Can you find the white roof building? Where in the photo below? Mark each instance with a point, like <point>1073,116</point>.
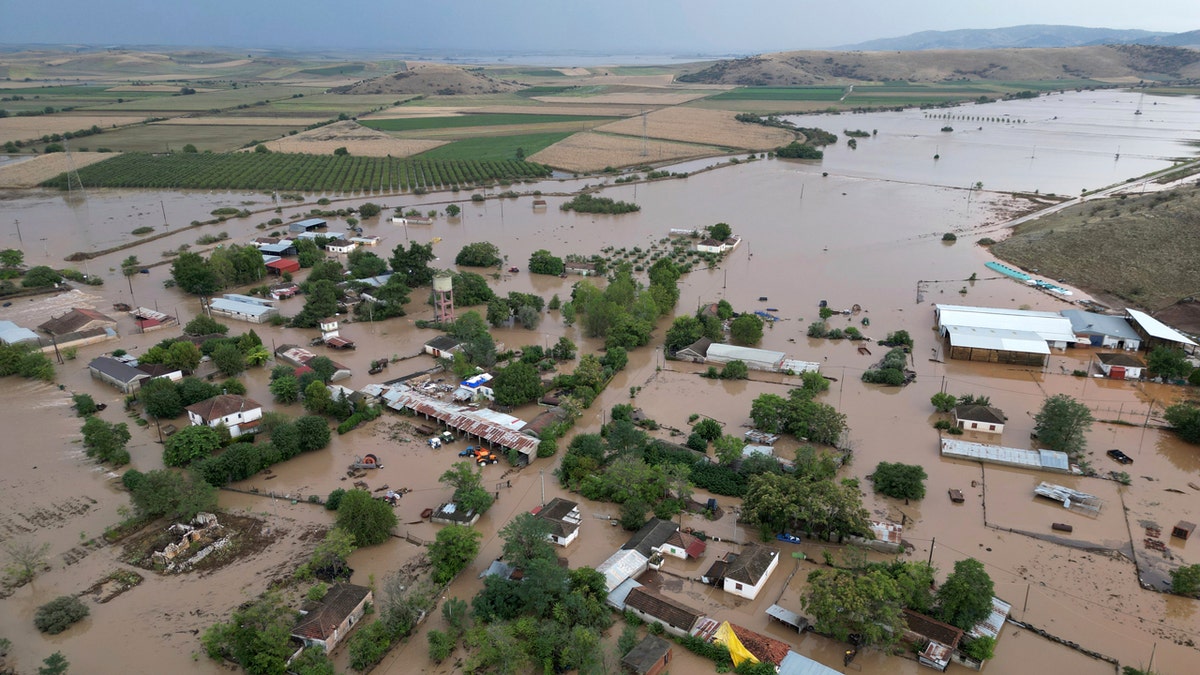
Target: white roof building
<point>755,359</point>
<point>1157,329</point>
<point>11,333</point>
<point>996,338</point>
<point>1051,327</point>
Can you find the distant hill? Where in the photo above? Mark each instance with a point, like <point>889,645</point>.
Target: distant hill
<point>1110,62</point>
<point>431,78</point>
<point>1012,37</point>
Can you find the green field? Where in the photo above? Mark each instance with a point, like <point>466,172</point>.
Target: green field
<point>342,69</point>
<point>332,104</point>
<point>897,93</point>
<point>495,148</point>
<point>213,100</point>
<point>544,90</point>
<point>38,98</point>
<point>780,94</point>
<point>473,120</point>
<point>294,172</point>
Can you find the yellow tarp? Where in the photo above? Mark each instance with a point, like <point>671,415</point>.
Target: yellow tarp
<point>737,651</point>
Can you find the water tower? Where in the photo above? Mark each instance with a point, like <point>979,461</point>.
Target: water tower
<point>443,297</point>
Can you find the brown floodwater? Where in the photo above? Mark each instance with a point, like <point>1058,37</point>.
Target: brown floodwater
<point>867,234</point>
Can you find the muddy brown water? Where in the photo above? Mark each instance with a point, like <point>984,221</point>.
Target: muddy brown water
<point>868,234</point>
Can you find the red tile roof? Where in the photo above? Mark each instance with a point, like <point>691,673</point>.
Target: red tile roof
<point>763,648</point>
<point>339,602</point>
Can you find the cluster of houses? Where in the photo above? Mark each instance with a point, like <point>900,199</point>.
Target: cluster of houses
<point>1025,337</point>
<point>78,327</point>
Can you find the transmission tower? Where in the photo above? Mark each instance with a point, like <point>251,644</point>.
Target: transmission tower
<point>74,184</point>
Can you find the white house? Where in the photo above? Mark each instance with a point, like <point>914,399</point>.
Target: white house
<point>232,308</point>
<point>983,418</point>
<point>327,621</point>
<point>563,517</point>
<point>748,573</point>
<point>1121,366</point>
<point>683,545</point>
<point>475,387</point>
<point>340,246</point>
<point>239,414</point>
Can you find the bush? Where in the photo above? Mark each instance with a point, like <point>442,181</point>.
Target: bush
<point>369,646</point>
<point>982,648</point>
<point>440,645</point>
<point>84,405</point>
<point>949,236</point>
<point>59,614</point>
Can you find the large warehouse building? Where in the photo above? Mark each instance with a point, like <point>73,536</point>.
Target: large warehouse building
<point>1012,336</point>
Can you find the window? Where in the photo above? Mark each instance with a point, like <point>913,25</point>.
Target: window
<point>974,425</point>
<point>738,586</point>
<point>992,428</point>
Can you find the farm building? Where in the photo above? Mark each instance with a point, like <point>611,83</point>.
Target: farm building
<point>277,247</point>
<point>327,236</point>
<point>1002,335</point>
<point>11,334</point>
<point>748,573</point>
<point>1121,366</point>
<point>149,320</point>
<point>544,419</point>
<point>562,515</point>
<point>1046,460</point>
<point>488,426</point>
<point>711,245</point>
<point>239,414</point>
<point>254,312</point>
<point>796,664</point>
<point>77,320</point>
<point>675,617</point>
<point>1155,333</point>
<point>307,225</point>
<point>1102,330</point>
<point>651,537</point>
<point>695,352</point>
<point>366,241</point>
<point>327,621</point>
<point>585,269</point>
<point>649,657</point>
<point>936,640</point>
<point>157,370</point>
<point>621,566</point>
<point>298,357</point>
<point>120,375</point>
<point>985,418</point>
<point>282,265</point>
<point>755,359</point>
<point>475,388</point>
<point>284,291</point>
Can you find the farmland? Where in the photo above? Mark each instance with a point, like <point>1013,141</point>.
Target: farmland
<point>477,120</point>
<point>495,148</point>
<point>307,173</point>
<point>163,137</point>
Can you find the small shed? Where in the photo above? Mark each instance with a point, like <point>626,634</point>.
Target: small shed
<point>649,657</point>
<point>120,375</point>
<point>306,225</point>
<point>282,265</point>
<point>1120,366</point>
<point>1183,529</point>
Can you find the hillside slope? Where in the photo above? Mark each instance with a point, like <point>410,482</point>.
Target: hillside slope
<point>431,78</point>
<point>1143,249</point>
<point>1010,37</point>
<point>1118,62</point>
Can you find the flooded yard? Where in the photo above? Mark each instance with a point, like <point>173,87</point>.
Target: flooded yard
<point>869,233</point>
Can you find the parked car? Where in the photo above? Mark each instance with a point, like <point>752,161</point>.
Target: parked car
<point>1120,456</point>
<point>514,269</point>
<point>789,538</point>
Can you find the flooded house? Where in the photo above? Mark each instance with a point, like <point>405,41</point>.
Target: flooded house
<point>1121,366</point>
<point>281,266</point>
<point>585,269</point>
<point>1043,460</point>
<point>123,376</point>
<point>498,429</point>
<point>442,346</point>
<point>649,657</point>
<point>298,357</point>
<point>340,246</point>
<point>12,334</point>
<point>327,621</point>
<point>239,414</point>
<point>683,545</point>
<point>1102,330</point>
<point>475,388</point>
<point>936,641</point>
<point>755,359</point>
<point>746,574</point>
<point>981,418</point>
<point>563,518</point>
<point>275,246</point>
<point>77,320</point>
<point>676,618</point>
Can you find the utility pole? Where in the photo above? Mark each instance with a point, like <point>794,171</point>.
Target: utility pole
<point>1026,605</point>
<point>19,239</point>
<point>164,210</point>
<point>932,543</point>
<point>542,477</point>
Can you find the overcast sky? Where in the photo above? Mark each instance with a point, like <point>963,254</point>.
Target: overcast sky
<point>503,26</point>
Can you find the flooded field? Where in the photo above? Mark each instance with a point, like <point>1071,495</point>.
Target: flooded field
<point>869,233</point>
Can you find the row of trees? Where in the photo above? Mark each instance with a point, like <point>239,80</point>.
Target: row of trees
<point>229,266</point>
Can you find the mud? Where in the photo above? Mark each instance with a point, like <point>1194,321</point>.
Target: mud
<point>869,233</point>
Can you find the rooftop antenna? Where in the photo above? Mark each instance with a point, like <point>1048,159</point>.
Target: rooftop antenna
<point>73,181</point>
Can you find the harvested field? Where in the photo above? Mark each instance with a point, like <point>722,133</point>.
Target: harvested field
<point>244,121</point>
<point>24,128</point>
<point>591,151</point>
<point>628,98</point>
<point>357,139</point>
<point>151,88</point>
<point>32,171</point>
<point>1141,249</point>
<point>694,125</point>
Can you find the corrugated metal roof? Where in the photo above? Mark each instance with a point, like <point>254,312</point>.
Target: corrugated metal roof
<point>991,626</point>
<point>1157,328</point>
<point>1050,460</point>
<point>1100,324</point>
<point>11,333</point>
<point>238,307</point>
<point>493,427</point>
<point>1025,342</point>
<point>795,664</point>
<point>616,597</point>
<point>1051,326</point>
<point>620,566</point>
<point>763,359</point>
